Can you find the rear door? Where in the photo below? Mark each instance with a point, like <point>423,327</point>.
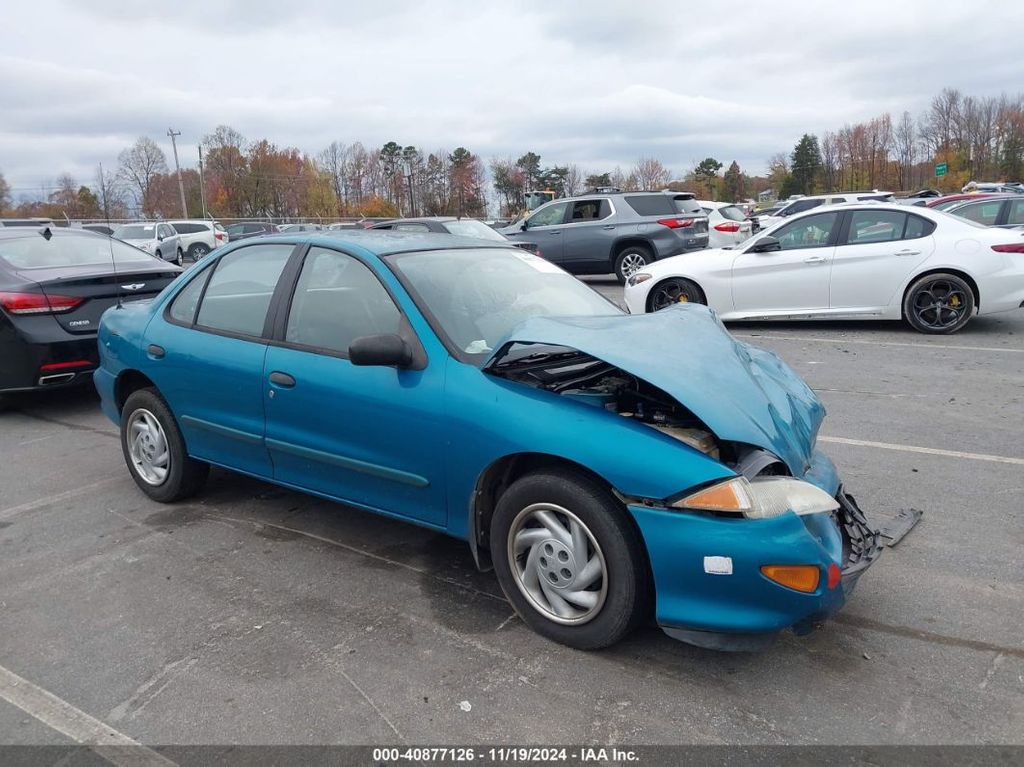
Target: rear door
<point>876,252</point>
<point>208,353</point>
<point>589,233</point>
<point>794,279</point>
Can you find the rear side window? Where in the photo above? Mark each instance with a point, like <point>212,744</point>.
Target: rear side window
<point>984,213</point>
<point>239,293</point>
<point>655,205</point>
<point>1016,216</point>
<point>589,210</point>
<point>183,308</point>
<point>337,300</point>
<point>867,226</point>
<point>917,227</point>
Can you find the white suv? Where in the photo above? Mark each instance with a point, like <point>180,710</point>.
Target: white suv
<point>199,237</point>
<point>802,204</point>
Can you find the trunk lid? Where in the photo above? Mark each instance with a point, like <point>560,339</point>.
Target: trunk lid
<point>100,289</point>
<point>742,393</point>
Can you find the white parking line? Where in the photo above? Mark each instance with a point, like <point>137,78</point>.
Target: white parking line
<point>814,339</point>
<point>115,747</point>
<point>67,495</point>
<point>925,450</point>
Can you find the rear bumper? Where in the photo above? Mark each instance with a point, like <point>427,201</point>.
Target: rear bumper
<point>743,610</point>
<point>37,342</point>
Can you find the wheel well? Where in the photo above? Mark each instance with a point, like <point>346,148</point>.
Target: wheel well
<point>703,295</point>
<point>621,245</point>
<point>127,382</point>
<point>956,272</point>
<point>493,482</point>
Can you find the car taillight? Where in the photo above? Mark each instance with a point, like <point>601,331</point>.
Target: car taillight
<point>219,236</point>
<point>1016,247</point>
<point>676,223</point>
<point>728,226</point>
<point>54,366</point>
<point>37,303</point>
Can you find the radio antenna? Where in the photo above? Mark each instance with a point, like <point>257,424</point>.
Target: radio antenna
<point>110,237</point>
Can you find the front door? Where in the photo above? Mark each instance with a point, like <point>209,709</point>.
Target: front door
<point>546,230</point>
<point>791,280</point>
<point>588,235</point>
<point>370,436</point>
<point>208,358</point>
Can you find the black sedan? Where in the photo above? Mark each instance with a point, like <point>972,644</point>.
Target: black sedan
<point>464,227</point>
<point>54,285</point>
<point>243,230</point>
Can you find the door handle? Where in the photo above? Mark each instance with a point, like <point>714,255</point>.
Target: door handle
<point>907,253</point>
<point>156,352</point>
<point>608,226</point>
<point>282,379</point>
<point>814,260</point>
<point>557,231</point>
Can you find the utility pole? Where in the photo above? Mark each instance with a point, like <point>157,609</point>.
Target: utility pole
<point>202,192</point>
<point>181,187</point>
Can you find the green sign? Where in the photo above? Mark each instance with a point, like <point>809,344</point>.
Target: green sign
<point>941,168</point>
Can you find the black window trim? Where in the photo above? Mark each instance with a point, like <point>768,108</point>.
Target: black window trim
<point>209,269</point>
<point>281,306</point>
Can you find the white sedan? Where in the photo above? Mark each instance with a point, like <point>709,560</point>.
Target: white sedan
<point>854,261</point>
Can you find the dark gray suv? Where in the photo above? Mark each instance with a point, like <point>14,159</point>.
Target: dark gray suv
<point>619,232</point>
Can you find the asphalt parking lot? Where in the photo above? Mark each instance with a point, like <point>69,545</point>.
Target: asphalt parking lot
<point>258,615</point>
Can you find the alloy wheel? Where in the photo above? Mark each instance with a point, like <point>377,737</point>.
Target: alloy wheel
<point>557,564</point>
<point>632,263</point>
<point>147,447</point>
<point>940,304</point>
<point>671,292</point>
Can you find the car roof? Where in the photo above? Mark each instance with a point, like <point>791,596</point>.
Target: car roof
<point>385,242</point>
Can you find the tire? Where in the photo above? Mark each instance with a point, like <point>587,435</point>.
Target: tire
<point>198,250</point>
<point>181,476</point>
<point>630,260</point>
<point>158,254</point>
<point>179,258</point>
<point>938,304</point>
<point>615,601</point>
<point>675,290</point>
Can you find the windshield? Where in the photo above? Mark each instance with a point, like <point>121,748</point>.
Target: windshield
<point>471,228</point>
<point>84,250</point>
<point>135,232</point>
<point>476,297</point>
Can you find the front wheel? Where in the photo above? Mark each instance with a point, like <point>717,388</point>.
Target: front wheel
<point>569,559</point>
<point>674,291</point>
<point>155,450</point>
<point>630,261</point>
<point>938,304</point>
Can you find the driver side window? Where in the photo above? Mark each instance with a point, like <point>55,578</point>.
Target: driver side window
<point>809,232</point>
<point>549,216</point>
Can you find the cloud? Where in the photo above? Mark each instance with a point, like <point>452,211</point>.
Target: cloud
<point>598,84</point>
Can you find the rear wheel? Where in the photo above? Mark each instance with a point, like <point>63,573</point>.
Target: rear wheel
<point>179,257</point>
<point>939,304</point>
<point>569,560</point>
<point>198,250</point>
<point>630,261</point>
<point>676,290</point>
<point>155,450</point>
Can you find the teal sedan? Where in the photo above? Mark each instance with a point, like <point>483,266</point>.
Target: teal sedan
<point>611,469</point>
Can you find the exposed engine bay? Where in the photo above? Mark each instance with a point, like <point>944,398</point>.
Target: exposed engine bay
<point>572,373</point>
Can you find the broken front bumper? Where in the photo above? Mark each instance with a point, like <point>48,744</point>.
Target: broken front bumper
<point>742,609</point>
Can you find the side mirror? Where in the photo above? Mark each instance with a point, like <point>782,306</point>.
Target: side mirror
<point>766,245</point>
<point>525,225</point>
<point>388,350</point>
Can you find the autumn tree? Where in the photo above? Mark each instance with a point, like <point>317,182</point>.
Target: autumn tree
<point>5,194</point>
<point>705,173</point>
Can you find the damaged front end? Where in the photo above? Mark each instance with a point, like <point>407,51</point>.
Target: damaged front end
<point>779,544</point>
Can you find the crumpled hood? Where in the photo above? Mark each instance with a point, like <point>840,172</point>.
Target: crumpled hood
<point>743,393</point>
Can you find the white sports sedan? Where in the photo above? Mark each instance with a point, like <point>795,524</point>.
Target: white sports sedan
<point>855,261</point>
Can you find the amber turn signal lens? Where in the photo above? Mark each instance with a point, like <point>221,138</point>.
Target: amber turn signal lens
<point>797,577</point>
<point>725,496</point>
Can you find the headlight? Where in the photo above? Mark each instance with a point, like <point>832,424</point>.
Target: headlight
<point>764,498</point>
<point>637,278</point>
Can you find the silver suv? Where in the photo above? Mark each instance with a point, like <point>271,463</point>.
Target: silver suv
<point>618,232</point>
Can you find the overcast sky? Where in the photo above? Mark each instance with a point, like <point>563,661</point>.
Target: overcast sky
<point>596,83</point>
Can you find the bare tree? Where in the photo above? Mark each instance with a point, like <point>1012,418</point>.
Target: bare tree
<point>905,146</point>
<point>649,173</point>
<point>138,166</point>
<point>574,181</point>
<point>829,161</point>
